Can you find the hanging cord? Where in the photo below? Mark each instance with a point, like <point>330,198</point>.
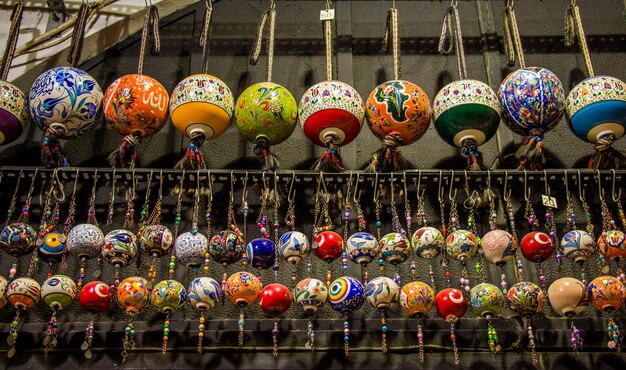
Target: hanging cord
<point>512,41</point>
<point>606,157</point>
<point>150,20</point>
<point>330,160</point>
<point>574,30</point>
<point>530,153</point>
<point>53,155</point>
<point>125,156</point>
<point>451,36</point>
<point>392,37</point>
<point>328,42</point>
<point>205,35</point>
<point>469,147</point>
<point>78,35</point>
<point>14,30</point>
<point>193,159</point>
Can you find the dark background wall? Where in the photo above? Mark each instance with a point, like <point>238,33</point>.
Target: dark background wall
<point>299,63</point>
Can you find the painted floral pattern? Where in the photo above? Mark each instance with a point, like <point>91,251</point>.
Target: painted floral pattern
<point>606,293</point>
<point>190,249</point>
<point>394,248</point>
<point>17,239</point>
<point>525,299</point>
<point>85,240</point>
<point>417,298</point>
<point>346,295</point>
<point>486,299</point>
<point>362,248</point>
<point>330,95</point>
<point>58,291</point>
<point>168,296</point>
<point>23,292</point>
<point>243,288</point>
<point>462,245</point>
<point>133,294</point>
<point>382,292</point>
<point>593,90</point>
<point>13,112</point>
<point>428,242</point>
<point>203,88</point>
<point>156,240</point>
<point>310,294</point>
<point>293,245</point>
<point>464,92</point>
<point>204,292</point>
<point>120,247</point>
<point>578,245</point>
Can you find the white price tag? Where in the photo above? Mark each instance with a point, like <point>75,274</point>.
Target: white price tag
<point>327,15</point>
<point>549,201</point>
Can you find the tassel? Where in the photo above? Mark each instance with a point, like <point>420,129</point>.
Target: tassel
<point>126,155</point>
<point>193,159</point>
<point>388,158</point>
<point>469,147</point>
<point>52,153</point>
<point>331,160</point>
<point>263,153</point>
<point>606,157</point>
<point>530,153</point>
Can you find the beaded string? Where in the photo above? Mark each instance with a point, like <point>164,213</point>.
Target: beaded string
<point>550,226</point>
<point>207,257</point>
<point>379,223</point>
<point>519,267</point>
<point>154,218</point>
<point>276,229</point>
<point>290,221</point>
<point>129,338</point>
<point>615,335</point>
<point>177,220</point>
<point>361,223</point>
<point>576,340</point>
<point>46,225</point>
<point>346,223</point>
<point>68,224</point>
<point>452,321</point>
<point>244,210</point>
<point>531,342</point>
<point>442,209</point>
<point>24,218</point>
<point>91,220</point>
<point>492,337</point>
<point>533,224</point>
<point>144,214</point>
<point>117,266</point>
<point>13,202</point>
<point>396,226</point>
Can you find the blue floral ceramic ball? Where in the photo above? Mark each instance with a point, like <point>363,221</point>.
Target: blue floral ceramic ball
<point>532,99</point>
<point>66,100</point>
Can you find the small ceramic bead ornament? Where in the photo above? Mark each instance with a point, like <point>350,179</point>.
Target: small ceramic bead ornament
<point>133,295</point>
<point>381,293</point>
<point>168,297</point>
<point>310,294</point>
<point>18,239</point>
<point>293,246</point>
<point>362,248</point>
<point>203,293</point>
<point>94,297</point>
<point>346,295</point>
<point>242,289</point>
<point>328,246</point>
<point>526,300</point>
<point>275,299</point>
<point>568,297</point>
<point>190,249</point>
<point>486,300</point>
<point>261,253</point>
<point>119,249</point>
<point>606,294</point>
<point>226,247</point>
<point>417,299</point>
<point>23,293</point>
<point>58,292</point>
<point>451,306</point>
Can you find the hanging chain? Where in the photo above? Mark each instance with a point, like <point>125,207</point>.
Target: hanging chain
<point>205,35</point>
<point>529,214</point>
<point>328,41</point>
<point>13,202</point>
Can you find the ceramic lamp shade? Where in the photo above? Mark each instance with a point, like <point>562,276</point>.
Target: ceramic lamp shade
<point>204,292</point>
<point>261,253</point>
<point>466,109</point>
<point>310,294</point>
<point>382,292</point>
<point>13,113</point>
<point>58,291</point>
<point>597,107</point>
<point>67,100</point>
<point>486,300</point>
<point>428,242</point>
<point>578,245</point>
<point>85,241</point>
<point>136,104</point>
<point>226,247</point>
<point>451,305</point>
<point>168,296</point>
<point>346,295</point>
<point>331,108</point>
<point>51,247</point>
<point>328,246</point>
<point>267,110</point>
<point>293,246</point>
<point>18,239</point>
<point>417,298</point>
<point>568,296</point>
<point>243,288</point>
<point>612,244</point>
<point>156,240</point>
<point>4,283</point>
<point>497,246</point>
<point>133,294</point>
<point>275,299</point>
<point>120,247</point>
<point>398,108</point>
<point>532,98</point>
<point>362,248</point>
<point>95,297</point>
<point>525,299</point>
<point>190,249</point>
<point>606,293</point>
<point>394,248</point>
<point>202,104</point>
<point>537,246</point>
<point>23,292</point>
<point>462,245</point>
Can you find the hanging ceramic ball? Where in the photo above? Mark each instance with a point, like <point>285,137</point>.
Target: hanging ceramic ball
<point>498,248</point>
<point>486,300</point>
<point>133,294</point>
<point>606,293</point>
<point>120,247</point>
<point>266,114</point>
<point>13,113</point>
<point>168,296</point>
<point>537,246</point>
<point>394,248</point>
<point>275,299</point>
<point>156,240</point>
<point>578,245</point>
<point>51,247</point>
<point>451,305</point>
<point>462,245</point>
<point>596,111</point>
<point>293,246</point>
<point>58,291</point>
<point>525,299</point>
<point>362,248</point>
<point>204,292</point>
<point>328,246</point>
<point>4,283</point>
<point>226,247</point>
<point>466,115</point>
<point>533,101</point>
<point>261,253</point>
<point>85,241</point>
<point>95,296</point>
<point>417,298</point>
<point>398,113</point>
<point>23,292</point>
<point>331,114</point>
<point>310,294</point>
<point>568,296</point>
<point>346,295</point>
<point>242,288</point>
<point>201,107</point>
<point>382,292</point>
<point>612,244</point>
<point>428,242</point>
<point>135,106</point>
<point>18,239</point>
<point>190,249</point>
<point>65,102</point>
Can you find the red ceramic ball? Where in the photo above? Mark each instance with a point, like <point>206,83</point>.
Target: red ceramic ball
<point>95,296</point>
<point>451,304</point>
<point>328,246</point>
<point>537,246</point>
<point>275,299</point>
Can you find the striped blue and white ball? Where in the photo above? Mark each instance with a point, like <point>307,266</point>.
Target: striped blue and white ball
<point>204,292</point>
<point>362,248</point>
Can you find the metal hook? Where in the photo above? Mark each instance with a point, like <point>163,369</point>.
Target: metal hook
<point>440,190</point>
<point>161,185</point>
<point>615,198</point>
<point>133,194</point>
<point>356,186</point>
<point>276,195</point>
<point>489,197</point>
<point>450,196</point>
<point>526,187</point>
<point>347,197</point>
<point>95,184</point>
<point>546,186</point>
<point>57,180</point>
<point>392,180</point>
<point>376,187</point>
<point>232,187</point>
<point>291,195</point>
<point>75,183</point>
<point>507,191</point>
<point>406,193</point>
<point>466,184</point>
<point>581,191</point>
<point>113,186</point>
<point>566,181</point>
<point>244,192</point>
<point>182,183</point>
<point>600,190</point>
<point>209,179</point>
<point>320,179</point>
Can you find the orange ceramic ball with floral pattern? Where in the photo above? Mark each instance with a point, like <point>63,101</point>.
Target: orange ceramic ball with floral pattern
<point>136,104</point>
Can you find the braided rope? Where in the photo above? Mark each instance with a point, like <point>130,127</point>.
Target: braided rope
<point>574,30</point>
<point>78,35</point>
<point>150,20</point>
<point>14,30</point>
<point>452,37</point>
<point>512,40</point>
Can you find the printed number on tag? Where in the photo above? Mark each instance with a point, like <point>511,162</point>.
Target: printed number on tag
<point>327,15</point>
<point>548,201</point>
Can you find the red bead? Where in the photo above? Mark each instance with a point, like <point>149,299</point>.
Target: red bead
<point>450,302</point>
<point>537,246</point>
<point>95,296</point>
<point>328,246</point>
<point>275,299</point>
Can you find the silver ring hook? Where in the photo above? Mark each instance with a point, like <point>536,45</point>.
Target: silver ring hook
<point>526,187</point>
<point>546,186</point>
<point>450,196</point>
<point>600,190</point>
<point>507,190</point>
<point>615,198</point>
<point>356,186</point>
<point>292,193</point>
<point>244,192</point>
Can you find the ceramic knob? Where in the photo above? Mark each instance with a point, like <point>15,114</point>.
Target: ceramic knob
<point>428,242</point>
<point>168,296</point>
<point>451,304</point>
<point>486,300</point>
<point>58,291</point>
<point>226,247</point>
<point>13,113</point>
<point>578,245</point>
<point>190,249</point>
<point>462,245</point>
<point>18,239</point>
<point>156,240</point>
<point>394,248</point>
<point>382,292</point>
<point>204,292</point>
<point>243,288</point>
<point>328,246</point>
<point>612,244</point>
<point>606,293</point>
<point>4,283</point>
<point>310,294</point>
<point>568,296</point>
<point>525,299</point>
<point>261,253</point>
<point>537,246</point>
<point>85,241</point>
<point>275,299</point>
<point>51,247</point>
<point>346,295</point>
<point>417,298</point>
<point>120,247</point>
<point>362,248</point>
<point>95,296</point>
<point>293,245</point>
<point>498,247</point>
<point>23,292</point>
<point>133,294</point>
